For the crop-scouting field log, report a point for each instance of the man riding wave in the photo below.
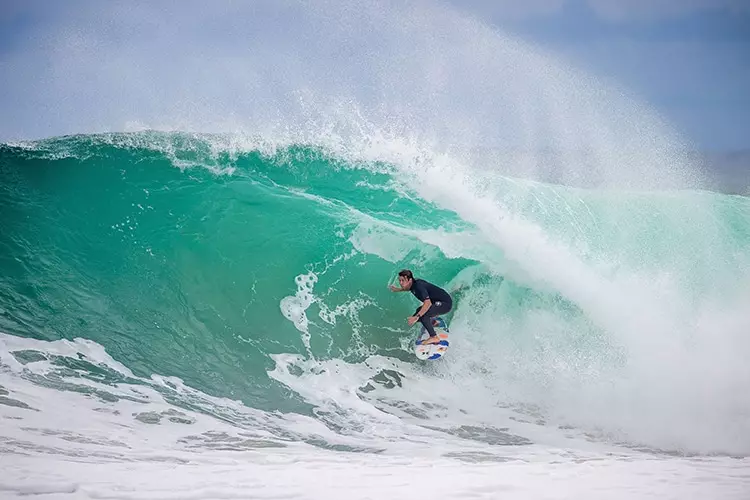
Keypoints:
(435, 301)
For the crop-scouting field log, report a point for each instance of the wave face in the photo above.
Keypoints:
(210, 276)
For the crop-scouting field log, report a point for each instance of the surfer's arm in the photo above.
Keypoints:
(425, 306)
(397, 289)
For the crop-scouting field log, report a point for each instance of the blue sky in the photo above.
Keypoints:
(689, 60)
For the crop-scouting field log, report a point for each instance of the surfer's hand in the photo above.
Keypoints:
(394, 288)
(412, 320)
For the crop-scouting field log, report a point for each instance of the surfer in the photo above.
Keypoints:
(435, 301)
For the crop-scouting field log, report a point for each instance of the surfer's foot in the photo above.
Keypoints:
(432, 340)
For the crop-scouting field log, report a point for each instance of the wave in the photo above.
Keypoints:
(247, 269)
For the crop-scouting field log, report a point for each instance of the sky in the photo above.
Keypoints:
(689, 60)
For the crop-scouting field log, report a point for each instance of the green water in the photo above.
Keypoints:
(181, 272)
(176, 254)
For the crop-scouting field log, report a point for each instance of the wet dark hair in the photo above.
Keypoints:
(406, 274)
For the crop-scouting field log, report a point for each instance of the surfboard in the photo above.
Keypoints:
(433, 351)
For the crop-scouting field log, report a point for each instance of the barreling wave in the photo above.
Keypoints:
(247, 269)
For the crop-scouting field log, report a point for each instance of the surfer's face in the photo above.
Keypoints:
(404, 282)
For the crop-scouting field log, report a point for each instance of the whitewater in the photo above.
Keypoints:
(194, 302)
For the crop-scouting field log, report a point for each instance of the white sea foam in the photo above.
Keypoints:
(329, 475)
(67, 434)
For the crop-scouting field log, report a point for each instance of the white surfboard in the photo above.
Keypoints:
(433, 351)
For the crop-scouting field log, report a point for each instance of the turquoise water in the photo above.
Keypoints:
(619, 313)
(181, 272)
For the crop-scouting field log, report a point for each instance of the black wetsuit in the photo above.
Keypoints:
(441, 302)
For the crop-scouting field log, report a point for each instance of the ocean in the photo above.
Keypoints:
(176, 302)
(195, 305)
